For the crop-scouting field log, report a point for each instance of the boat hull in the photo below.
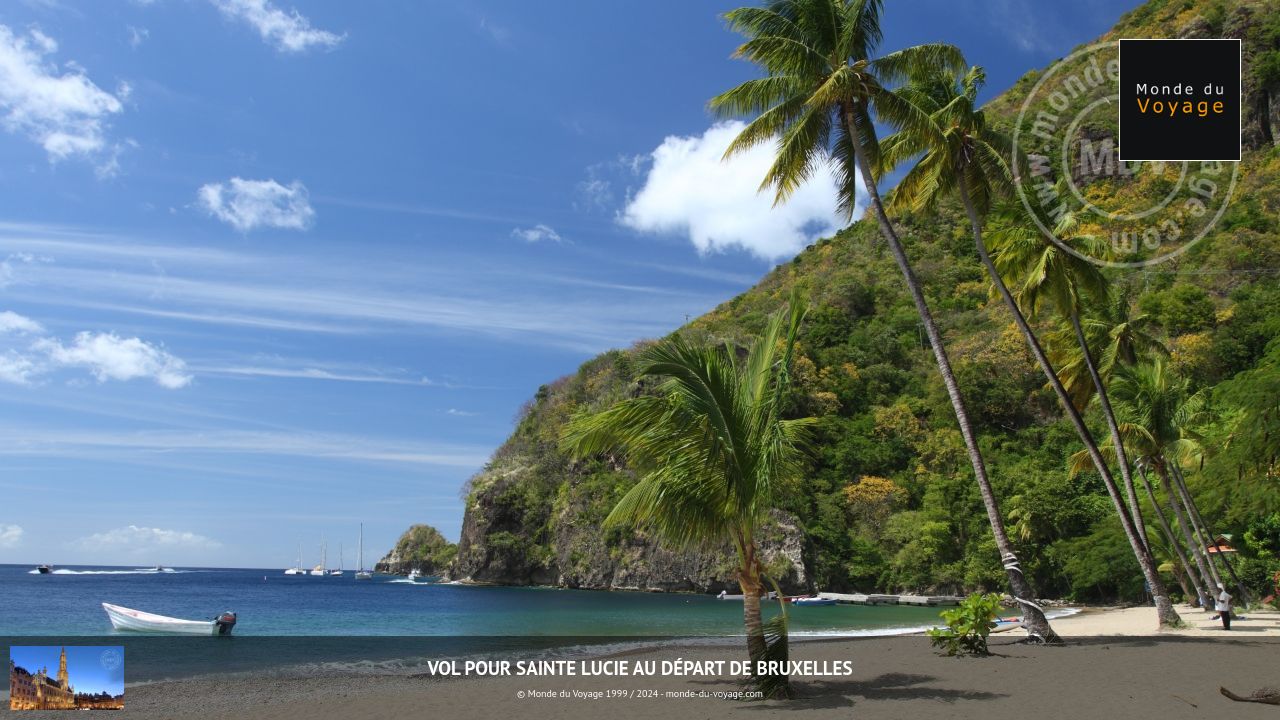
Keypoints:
(123, 618)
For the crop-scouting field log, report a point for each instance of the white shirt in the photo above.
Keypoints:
(1224, 602)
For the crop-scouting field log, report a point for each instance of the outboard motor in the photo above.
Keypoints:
(225, 622)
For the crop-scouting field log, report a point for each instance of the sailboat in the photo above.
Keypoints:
(361, 573)
(339, 570)
(319, 569)
(297, 569)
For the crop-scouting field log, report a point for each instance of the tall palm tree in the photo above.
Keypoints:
(959, 153)
(1156, 407)
(710, 448)
(1045, 273)
(821, 86)
(1175, 546)
(1168, 415)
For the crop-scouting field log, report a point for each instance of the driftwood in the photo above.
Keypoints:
(1268, 696)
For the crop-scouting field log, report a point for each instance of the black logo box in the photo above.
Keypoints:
(1180, 63)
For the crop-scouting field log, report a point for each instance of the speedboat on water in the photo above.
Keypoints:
(44, 569)
(812, 601)
(123, 618)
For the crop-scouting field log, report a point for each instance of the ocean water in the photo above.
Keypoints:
(303, 625)
(267, 602)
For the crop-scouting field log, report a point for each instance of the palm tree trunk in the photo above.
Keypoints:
(1207, 534)
(1201, 597)
(1162, 470)
(1168, 617)
(1033, 619)
(1188, 506)
(1131, 494)
(749, 579)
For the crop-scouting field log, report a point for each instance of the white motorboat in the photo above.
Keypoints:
(123, 618)
(361, 573)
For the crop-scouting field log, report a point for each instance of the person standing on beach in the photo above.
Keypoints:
(1223, 606)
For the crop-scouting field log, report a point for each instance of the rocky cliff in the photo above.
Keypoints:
(420, 548)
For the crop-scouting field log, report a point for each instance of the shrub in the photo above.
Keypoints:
(967, 625)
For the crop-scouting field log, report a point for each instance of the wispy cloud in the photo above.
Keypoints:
(10, 536)
(287, 31)
(691, 190)
(29, 441)
(249, 204)
(537, 233)
(12, 322)
(61, 109)
(349, 293)
(137, 35)
(144, 541)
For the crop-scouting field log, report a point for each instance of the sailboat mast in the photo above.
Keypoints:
(362, 547)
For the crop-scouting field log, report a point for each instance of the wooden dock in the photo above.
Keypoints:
(919, 600)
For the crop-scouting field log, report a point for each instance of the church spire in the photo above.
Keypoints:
(62, 670)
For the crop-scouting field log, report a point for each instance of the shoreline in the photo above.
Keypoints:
(1112, 664)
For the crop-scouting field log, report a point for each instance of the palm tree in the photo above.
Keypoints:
(1175, 547)
(821, 85)
(1046, 273)
(1165, 416)
(710, 449)
(959, 153)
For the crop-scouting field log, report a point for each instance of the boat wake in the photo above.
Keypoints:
(138, 571)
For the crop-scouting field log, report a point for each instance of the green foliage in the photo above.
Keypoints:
(967, 626)
(861, 359)
(1182, 309)
(423, 547)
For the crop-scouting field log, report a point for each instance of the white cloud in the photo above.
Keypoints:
(143, 540)
(12, 322)
(691, 190)
(460, 413)
(17, 369)
(111, 357)
(248, 204)
(59, 108)
(537, 233)
(10, 536)
(287, 31)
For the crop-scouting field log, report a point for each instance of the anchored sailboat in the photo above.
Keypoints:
(361, 573)
(339, 570)
(319, 569)
(297, 569)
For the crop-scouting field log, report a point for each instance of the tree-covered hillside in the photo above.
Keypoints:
(888, 501)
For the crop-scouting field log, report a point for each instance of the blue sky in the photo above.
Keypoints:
(90, 668)
(269, 269)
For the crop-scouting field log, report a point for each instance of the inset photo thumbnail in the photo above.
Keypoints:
(73, 677)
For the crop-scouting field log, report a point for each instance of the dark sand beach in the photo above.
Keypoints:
(1166, 676)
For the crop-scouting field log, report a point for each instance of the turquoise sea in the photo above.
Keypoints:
(338, 623)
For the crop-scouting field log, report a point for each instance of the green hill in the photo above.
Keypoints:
(534, 517)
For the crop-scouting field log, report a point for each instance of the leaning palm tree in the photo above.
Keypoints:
(821, 87)
(711, 450)
(960, 154)
(1044, 273)
(1162, 415)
